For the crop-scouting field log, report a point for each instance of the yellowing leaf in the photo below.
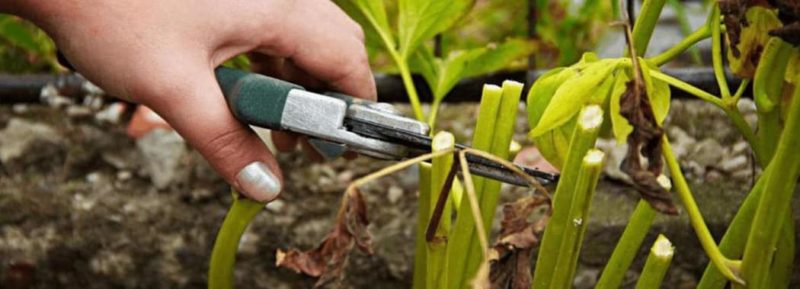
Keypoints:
(621, 127)
(752, 40)
(658, 92)
(573, 94)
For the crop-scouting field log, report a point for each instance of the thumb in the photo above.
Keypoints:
(197, 110)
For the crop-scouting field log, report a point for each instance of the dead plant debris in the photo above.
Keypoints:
(511, 255)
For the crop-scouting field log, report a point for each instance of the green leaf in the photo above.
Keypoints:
(371, 14)
(658, 92)
(621, 127)
(542, 92)
(573, 94)
(451, 70)
(420, 20)
(497, 57)
(13, 31)
(426, 64)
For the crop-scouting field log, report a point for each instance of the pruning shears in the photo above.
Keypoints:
(336, 123)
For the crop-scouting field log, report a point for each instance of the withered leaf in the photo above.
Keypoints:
(328, 260)
(789, 33)
(644, 141)
(511, 254)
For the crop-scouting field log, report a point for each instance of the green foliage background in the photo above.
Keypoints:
(24, 47)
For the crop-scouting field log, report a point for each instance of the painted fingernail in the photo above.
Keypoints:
(258, 182)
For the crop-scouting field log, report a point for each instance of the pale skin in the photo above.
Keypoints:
(163, 54)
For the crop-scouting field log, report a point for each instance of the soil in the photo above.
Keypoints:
(78, 209)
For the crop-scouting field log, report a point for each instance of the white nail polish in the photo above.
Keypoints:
(257, 181)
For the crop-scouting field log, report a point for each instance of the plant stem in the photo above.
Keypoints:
(716, 52)
(686, 29)
(699, 34)
(727, 267)
(583, 138)
(460, 248)
(645, 24)
(657, 264)
(627, 246)
(732, 112)
(578, 217)
(776, 200)
(423, 216)
(408, 83)
(436, 274)
(767, 90)
(488, 193)
(223, 256)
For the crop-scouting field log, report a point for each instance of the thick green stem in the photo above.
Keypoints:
(583, 138)
(699, 34)
(488, 192)
(775, 201)
(627, 246)
(223, 256)
(727, 267)
(459, 249)
(716, 52)
(767, 91)
(657, 264)
(578, 219)
(423, 216)
(645, 24)
(436, 274)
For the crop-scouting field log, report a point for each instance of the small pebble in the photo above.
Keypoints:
(394, 194)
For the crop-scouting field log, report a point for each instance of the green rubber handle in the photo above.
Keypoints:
(254, 98)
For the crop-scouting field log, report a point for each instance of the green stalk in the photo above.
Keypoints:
(732, 112)
(686, 28)
(776, 200)
(627, 246)
(437, 248)
(408, 83)
(423, 216)
(583, 138)
(687, 43)
(488, 191)
(657, 264)
(728, 267)
(458, 251)
(767, 91)
(716, 53)
(645, 24)
(223, 256)
(733, 241)
(781, 271)
(564, 272)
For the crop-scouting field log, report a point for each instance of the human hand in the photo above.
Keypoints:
(163, 54)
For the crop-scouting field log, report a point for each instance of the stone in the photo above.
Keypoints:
(707, 153)
(162, 151)
(682, 143)
(20, 134)
(615, 154)
(734, 164)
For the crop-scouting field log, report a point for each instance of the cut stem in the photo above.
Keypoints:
(627, 246)
(578, 219)
(583, 139)
(655, 268)
(436, 274)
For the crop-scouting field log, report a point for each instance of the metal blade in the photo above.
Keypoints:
(421, 144)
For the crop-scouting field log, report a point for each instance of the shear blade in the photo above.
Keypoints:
(421, 144)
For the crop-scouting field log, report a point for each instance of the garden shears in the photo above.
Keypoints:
(336, 123)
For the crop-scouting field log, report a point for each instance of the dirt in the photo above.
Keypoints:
(79, 210)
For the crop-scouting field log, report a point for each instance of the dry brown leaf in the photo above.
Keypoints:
(511, 254)
(644, 141)
(329, 259)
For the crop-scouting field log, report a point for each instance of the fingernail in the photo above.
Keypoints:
(257, 181)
